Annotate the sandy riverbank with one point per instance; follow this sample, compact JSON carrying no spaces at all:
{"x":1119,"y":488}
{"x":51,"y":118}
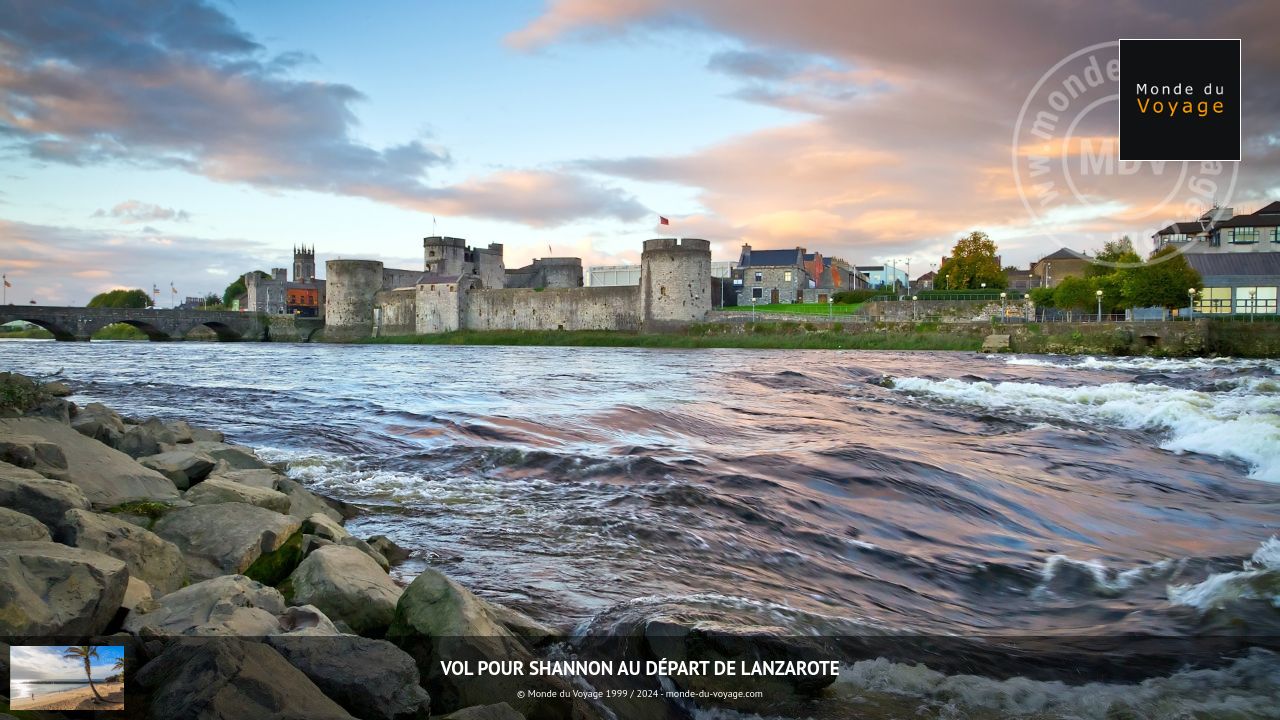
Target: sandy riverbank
{"x":76,"y":699}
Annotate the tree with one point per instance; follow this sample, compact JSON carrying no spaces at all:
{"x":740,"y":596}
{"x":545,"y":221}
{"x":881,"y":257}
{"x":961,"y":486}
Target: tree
{"x":972,"y":263}
{"x":1042,"y":297}
{"x":1114,"y":251}
{"x":85,"y":652}
{"x":1074,"y":293}
{"x":121,"y":298}
{"x":237,"y":288}
{"x":1162,"y":281}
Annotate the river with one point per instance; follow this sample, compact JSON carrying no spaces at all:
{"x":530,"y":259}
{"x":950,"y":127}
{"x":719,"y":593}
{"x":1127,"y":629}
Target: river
{"x":827,"y":491}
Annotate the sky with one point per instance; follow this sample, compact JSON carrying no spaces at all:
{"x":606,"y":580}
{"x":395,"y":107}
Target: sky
{"x":184,"y":143}
{"x":45,"y":662}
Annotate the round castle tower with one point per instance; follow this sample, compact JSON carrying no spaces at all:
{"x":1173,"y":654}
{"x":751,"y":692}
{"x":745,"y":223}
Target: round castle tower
{"x":348,"y":306}
{"x":675,"y":281}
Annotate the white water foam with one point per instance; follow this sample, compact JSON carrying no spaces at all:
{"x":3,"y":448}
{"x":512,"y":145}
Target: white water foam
{"x":1103,"y":580}
{"x":1257,"y":580}
{"x":1237,"y":424}
{"x":1143,"y":364}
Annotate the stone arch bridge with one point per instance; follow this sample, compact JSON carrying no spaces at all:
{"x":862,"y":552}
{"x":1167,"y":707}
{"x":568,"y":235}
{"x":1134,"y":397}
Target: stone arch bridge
{"x":80,"y":323}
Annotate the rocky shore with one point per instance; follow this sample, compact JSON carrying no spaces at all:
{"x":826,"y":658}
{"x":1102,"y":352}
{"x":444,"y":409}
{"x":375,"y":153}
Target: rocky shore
{"x":239,"y":593}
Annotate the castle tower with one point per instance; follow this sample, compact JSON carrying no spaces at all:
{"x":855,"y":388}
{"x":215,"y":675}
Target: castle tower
{"x":675,"y":281}
{"x":304,"y":264}
{"x":445,"y":255}
{"x":349,"y":301}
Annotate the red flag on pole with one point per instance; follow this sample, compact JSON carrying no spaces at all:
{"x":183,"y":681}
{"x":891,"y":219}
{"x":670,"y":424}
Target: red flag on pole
{"x":663,"y":221}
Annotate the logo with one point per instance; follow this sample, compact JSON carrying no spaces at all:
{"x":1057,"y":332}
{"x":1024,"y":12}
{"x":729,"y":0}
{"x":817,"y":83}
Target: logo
{"x":1069,"y":174}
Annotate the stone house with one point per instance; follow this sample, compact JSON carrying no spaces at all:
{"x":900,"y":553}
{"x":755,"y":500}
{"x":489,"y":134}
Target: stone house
{"x":771,"y":276}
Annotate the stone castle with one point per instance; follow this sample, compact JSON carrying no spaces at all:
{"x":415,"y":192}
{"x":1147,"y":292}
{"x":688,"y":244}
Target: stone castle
{"x":277,"y":295}
{"x":465,"y":288}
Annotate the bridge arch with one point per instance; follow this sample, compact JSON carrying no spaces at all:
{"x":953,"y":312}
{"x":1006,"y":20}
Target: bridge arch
{"x":225,"y":332}
{"x":152,"y":332}
{"x":59,"y":332}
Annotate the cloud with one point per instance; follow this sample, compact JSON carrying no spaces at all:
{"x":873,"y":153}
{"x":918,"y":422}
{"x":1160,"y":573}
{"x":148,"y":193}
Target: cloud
{"x":67,"y":266}
{"x":180,"y":85}
{"x":136,"y":211}
{"x":906,"y":139}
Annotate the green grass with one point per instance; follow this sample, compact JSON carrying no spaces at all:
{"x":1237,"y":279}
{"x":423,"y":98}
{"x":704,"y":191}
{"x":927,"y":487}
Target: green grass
{"x":779,"y":336}
{"x":119,"y":331}
{"x":25,"y":331}
{"x":798,"y":308}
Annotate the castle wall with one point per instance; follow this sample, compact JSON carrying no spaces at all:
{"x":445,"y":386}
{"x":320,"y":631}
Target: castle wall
{"x":395,"y":312}
{"x":610,"y":308}
{"x":547,"y":273}
{"x":437,"y":308}
{"x":393,"y":278}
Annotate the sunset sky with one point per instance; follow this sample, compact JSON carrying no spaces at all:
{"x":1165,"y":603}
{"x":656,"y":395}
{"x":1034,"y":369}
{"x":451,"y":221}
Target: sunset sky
{"x":188,"y":142}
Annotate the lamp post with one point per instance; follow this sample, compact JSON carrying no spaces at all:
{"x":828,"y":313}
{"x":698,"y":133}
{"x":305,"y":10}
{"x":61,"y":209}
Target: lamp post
{"x":908,"y":276}
{"x":1031,"y":310}
{"x":1004,"y":311}
{"x":753,"y":309}
{"x":915,"y":307}
{"x":831,"y":308}
{"x":1253,"y":304}
{"x":1191,"y":303}
{"x":1099,"y":294}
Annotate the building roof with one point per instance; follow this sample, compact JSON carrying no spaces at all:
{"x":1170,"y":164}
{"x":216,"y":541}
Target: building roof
{"x":1271,"y":209}
{"x":1064,"y":254}
{"x":1251,"y":263}
{"x":429,"y":279}
{"x":927,"y":276}
{"x":1183,"y":228}
{"x":766,"y":258}
{"x":1258,"y":219}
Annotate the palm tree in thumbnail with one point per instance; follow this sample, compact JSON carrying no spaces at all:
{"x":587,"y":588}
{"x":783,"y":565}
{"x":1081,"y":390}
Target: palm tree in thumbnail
{"x":86,"y":653}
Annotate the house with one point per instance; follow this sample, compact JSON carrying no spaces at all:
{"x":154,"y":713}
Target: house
{"x":770,"y":276}
{"x":1049,"y":270}
{"x":1196,"y":233}
{"x":925,"y":281}
{"x":1252,"y":233}
{"x":1015,"y":279}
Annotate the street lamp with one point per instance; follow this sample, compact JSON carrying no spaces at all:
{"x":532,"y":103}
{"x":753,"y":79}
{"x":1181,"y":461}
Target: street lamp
{"x":915,"y":307}
{"x":1099,"y":294}
{"x":753,"y":309}
{"x":1031,"y":309}
{"x":1004,"y":311}
{"x":1253,"y":304}
{"x":1191,"y":303}
{"x":831,"y":307}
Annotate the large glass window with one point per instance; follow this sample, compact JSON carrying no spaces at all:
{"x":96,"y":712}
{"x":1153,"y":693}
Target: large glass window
{"x":1260,"y":300}
{"x":1244,"y":235}
{"x":1213,"y":300}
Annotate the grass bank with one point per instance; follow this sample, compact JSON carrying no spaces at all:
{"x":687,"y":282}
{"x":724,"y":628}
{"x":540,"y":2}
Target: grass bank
{"x":771,"y":336}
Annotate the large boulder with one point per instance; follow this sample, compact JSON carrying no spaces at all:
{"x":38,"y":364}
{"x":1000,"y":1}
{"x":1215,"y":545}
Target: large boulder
{"x":323,"y":526}
{"x":51,"y":589}
{"x":149,"y":557}
{"x":199,"y":434}
{"x":217,"y":490}
{"x":137,"y":441}
{"x":34,"y":453}
{"x":108,"y":477}
{"x":303,"y":503}
{"x":234,"y":538}
{"x":20,"y":526}
{"x":236,"y":457}
{"x":46,"y":500}
{"x":372,"y":679}
{"x":182,"y":467}
{"x":438,"y":620}
{"x":348,"y":586}
{"x":225,"y":605}
{"x":389,"y":549}
{"x":364,"y":547}
{"x":99,"y":422}
{"x":265,"y":479}
{"x":226,"y":678}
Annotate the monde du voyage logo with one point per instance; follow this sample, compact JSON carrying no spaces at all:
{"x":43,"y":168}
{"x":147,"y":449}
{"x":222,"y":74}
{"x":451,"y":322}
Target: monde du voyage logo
{"x":1180,"y":100}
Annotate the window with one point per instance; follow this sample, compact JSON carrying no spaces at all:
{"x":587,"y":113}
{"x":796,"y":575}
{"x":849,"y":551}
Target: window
{"x":1214,"y":300}
{"x":759,"y":276}
{"x":1244,"y":235}
{"x":757,"y":293}
{"x":1272,"y":234}
{"x":1256,"y":300}
{"x":786,"y":276}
